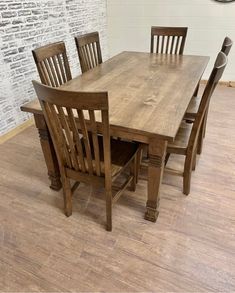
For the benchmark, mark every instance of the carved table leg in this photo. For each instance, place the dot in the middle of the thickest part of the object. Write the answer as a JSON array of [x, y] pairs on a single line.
[[157, 152], [49, 152]]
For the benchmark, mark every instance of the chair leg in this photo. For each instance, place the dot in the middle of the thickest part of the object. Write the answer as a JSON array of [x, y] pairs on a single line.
[[67, 196], [108, 195], [187, 174]]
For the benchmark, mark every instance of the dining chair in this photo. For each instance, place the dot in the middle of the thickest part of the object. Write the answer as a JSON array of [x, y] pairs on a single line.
[[89, 51], [169, 40], [194, 103], [76, 121], [52, 64], [186, 141]]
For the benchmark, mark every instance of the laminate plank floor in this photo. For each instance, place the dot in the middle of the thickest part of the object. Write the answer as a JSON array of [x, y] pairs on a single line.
[[191, 247]]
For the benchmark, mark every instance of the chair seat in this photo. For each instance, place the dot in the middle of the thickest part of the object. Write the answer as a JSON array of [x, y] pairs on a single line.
[[192, 109], [179, 146], [122, 152]]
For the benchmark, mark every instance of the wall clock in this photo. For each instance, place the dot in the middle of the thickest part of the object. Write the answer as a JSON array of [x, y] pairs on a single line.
[[225, 1]]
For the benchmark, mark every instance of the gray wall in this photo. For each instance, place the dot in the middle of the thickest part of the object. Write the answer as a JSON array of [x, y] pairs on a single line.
[[25, 25]]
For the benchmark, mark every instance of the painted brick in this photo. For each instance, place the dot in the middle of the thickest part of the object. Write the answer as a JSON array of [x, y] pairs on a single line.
[[26, 25], [14, 6], [9, 14]]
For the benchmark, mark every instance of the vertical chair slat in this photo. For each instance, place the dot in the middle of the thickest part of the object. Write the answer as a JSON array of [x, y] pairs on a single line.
[[158, 41], [182, 44], [76, 138], [66, 66], [85, 57], [98, 47], [86, 141], [54, 60], [62, 142], [92, 55], [43, 73], [88, 56], [167, 44], [94, 51], [66, 127], [162, 44], [172, 44], [152, 45], [53, 123], [94, 48], [52, 68], [177, 45], [49, 73], [95, 142], [83, 62], [61, 69]]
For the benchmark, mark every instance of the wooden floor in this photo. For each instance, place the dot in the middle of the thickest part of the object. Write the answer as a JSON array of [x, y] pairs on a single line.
[[191, 248]]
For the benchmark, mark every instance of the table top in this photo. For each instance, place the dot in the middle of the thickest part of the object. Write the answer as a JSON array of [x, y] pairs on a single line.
[[148, 93]]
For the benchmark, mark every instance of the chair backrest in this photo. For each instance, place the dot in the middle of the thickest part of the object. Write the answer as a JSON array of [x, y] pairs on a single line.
[[71, 119], [169, 40], [219, 66], [52, 64], [227, 45], [89, 51]]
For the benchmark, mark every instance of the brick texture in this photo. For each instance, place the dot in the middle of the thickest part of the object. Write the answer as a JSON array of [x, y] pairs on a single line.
[[25, 25]]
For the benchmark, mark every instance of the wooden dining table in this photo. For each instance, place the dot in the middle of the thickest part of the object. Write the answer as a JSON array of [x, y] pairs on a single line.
[[148, 97]]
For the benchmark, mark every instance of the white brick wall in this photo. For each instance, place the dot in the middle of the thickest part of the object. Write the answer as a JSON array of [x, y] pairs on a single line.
[[129, 23], [27, 24]]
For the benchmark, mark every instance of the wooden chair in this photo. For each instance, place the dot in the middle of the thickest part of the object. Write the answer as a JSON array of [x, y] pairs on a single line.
[[169, 40], [195, 102], [52, 64], [83, 154], [89, 51], [186, 142]]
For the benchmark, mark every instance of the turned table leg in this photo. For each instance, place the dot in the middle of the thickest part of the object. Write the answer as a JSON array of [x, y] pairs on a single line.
[[157, 152], [48, 152]]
